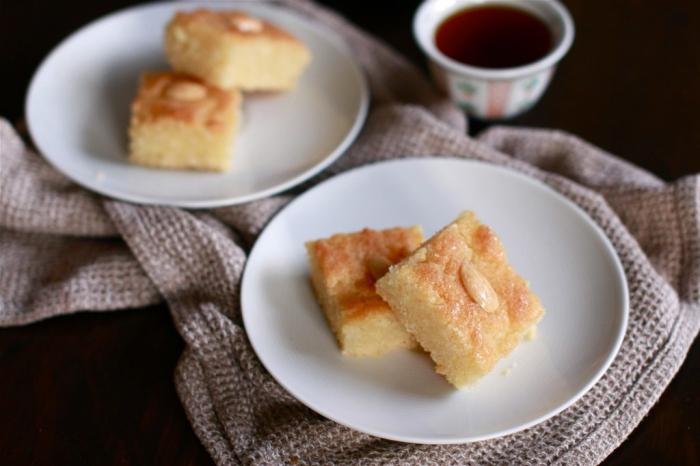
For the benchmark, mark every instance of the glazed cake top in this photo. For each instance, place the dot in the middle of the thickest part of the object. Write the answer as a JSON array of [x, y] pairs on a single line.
[[176, 96], [351, 264], [233, 23], [464, 273]]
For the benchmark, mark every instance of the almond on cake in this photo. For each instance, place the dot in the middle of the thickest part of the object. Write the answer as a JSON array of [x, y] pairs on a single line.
[[232, 49], [180, 122], [461, 299], [344, 269]]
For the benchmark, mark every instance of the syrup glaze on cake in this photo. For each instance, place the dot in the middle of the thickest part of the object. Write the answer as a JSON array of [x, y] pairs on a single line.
[[232, 49], [180, 97], [181, 122], [461, 299], [344, 269], [236, 23]]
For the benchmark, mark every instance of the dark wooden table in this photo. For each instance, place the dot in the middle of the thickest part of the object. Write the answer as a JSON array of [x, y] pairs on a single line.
[[98, 388]]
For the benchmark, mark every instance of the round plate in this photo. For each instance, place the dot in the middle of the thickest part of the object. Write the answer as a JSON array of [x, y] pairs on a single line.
[[78, 111], [551, 242]]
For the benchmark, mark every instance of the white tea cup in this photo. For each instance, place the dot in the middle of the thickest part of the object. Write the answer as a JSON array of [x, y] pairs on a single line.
[[493, 93]]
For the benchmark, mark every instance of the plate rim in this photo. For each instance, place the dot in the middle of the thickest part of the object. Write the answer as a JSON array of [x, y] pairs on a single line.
[[94, 185], [456, 440]]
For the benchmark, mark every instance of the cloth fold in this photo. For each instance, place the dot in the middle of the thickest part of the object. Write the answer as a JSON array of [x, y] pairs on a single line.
[[63, 249]]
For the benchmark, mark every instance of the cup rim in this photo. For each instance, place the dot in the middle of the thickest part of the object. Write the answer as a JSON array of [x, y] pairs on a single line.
[[548, 61]]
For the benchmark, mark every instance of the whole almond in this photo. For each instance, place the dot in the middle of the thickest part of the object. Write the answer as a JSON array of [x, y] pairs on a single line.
[[246, 23], [186, 91], [478, 287]]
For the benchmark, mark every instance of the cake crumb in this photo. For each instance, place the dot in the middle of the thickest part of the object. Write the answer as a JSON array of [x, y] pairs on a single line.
[[100, 176], [508, 369], [531, 333]]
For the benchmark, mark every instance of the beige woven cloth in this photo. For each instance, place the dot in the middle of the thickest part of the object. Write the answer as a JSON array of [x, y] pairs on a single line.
[[63, 249]]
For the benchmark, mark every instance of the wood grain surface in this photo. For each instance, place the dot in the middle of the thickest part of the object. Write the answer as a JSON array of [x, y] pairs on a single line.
[[97, 388]]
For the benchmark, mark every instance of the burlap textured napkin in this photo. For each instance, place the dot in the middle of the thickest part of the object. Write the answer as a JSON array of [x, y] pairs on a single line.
[[63, 250]]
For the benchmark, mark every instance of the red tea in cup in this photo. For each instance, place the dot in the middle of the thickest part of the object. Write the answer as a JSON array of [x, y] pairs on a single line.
[[493, 58], [494, 36]]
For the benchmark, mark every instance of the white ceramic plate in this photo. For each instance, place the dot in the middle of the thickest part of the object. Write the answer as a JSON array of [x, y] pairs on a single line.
[[565, 256], [78, 112]]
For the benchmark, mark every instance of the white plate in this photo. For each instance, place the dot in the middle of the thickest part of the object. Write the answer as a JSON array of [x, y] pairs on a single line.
[[568, 260], [78, 112]]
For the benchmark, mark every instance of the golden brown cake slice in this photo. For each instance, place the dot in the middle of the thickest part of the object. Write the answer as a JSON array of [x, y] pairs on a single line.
[[461, 299], [344, 269], [180, 122], [232, 49]]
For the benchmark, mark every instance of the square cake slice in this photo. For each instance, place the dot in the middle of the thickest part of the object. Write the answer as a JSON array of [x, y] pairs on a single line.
[[180, 122], [344, 269], [461, 299], [231, 49]]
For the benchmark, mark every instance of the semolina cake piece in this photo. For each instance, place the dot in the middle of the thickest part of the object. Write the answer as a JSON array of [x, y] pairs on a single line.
[[344, 269], [461, 299], [231, 49], [180, 122]]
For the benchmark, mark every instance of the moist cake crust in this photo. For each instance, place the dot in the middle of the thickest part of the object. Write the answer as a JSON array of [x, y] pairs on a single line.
[[176, 96], [344, 269], [461, 299], [181, 122], [233, 23], [231, 49]]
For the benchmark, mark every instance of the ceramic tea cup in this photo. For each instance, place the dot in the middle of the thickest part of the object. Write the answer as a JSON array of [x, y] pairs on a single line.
[[493, 92]]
